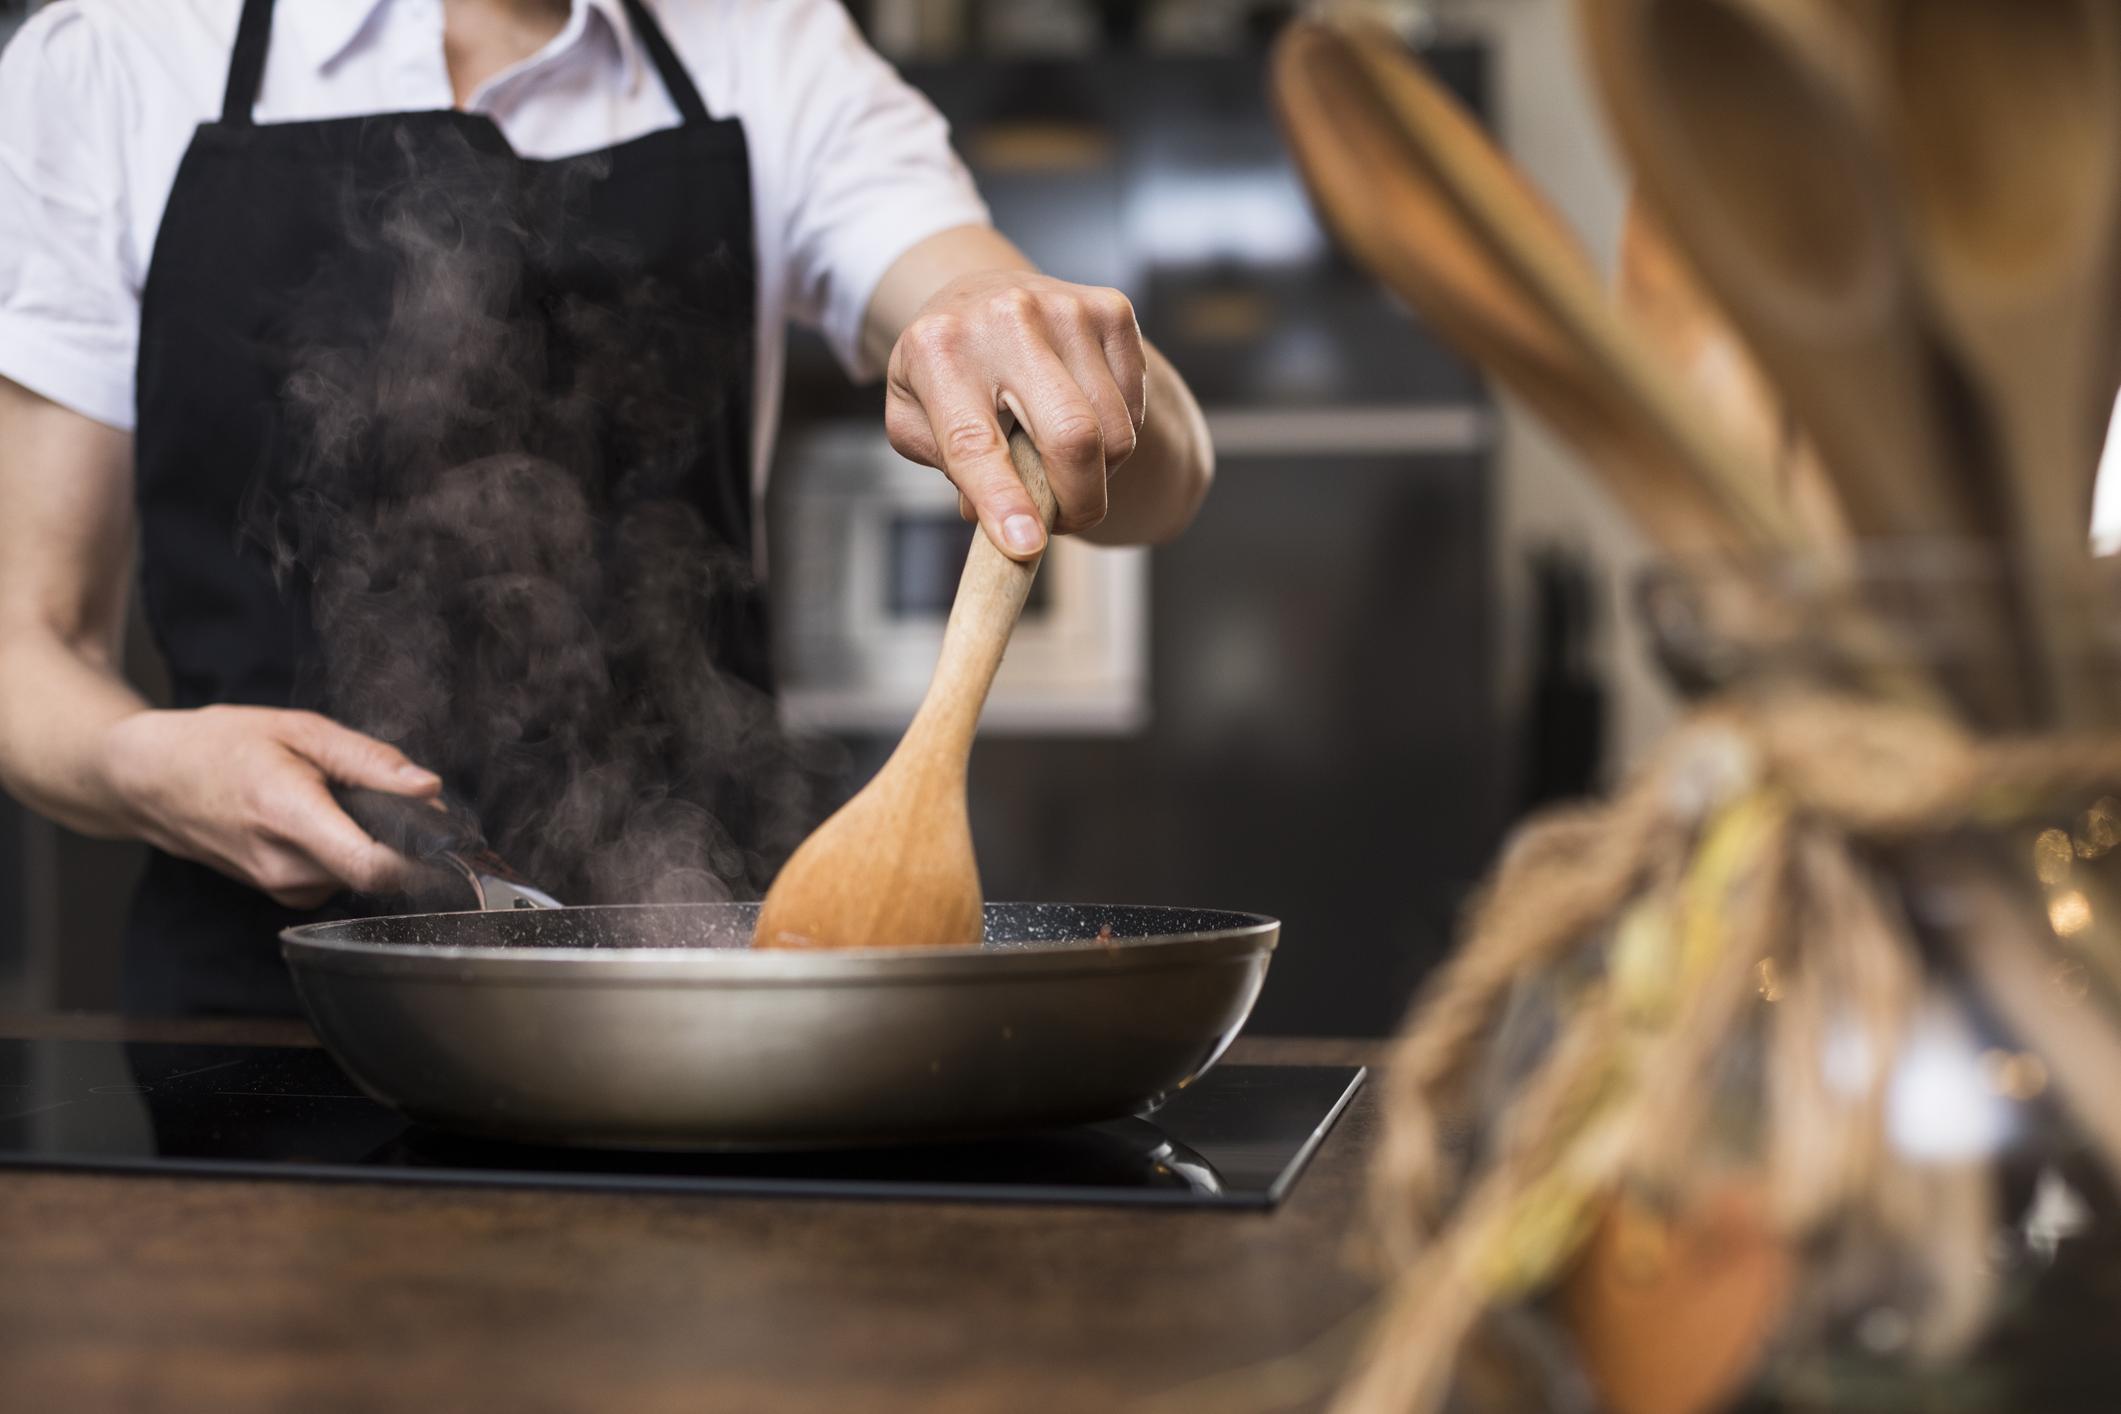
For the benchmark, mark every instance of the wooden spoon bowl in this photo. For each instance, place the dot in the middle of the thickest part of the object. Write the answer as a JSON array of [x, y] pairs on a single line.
[[1751, 132], [1672, 1313]]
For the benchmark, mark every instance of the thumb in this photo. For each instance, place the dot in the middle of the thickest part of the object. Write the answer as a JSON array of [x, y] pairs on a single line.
[[352, 758], [987, 479]]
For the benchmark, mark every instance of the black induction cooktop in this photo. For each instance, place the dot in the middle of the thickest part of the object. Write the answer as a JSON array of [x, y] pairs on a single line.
[[1237, 1137]]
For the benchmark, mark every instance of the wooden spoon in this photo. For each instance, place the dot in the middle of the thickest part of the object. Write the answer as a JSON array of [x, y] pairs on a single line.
[[894, 866], [2003, 119], [1748, 133], [1754, 130], [1660, 292], [1417, 193], [1496, 205], [1377, 196]]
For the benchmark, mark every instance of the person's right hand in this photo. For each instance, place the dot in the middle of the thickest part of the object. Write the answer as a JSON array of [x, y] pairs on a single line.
[[246, 790]]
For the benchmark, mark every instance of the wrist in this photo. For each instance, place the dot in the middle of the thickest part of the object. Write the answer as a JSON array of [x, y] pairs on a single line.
[[118, 767]]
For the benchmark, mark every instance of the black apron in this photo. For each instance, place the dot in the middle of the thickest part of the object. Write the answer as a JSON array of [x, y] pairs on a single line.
[[455, 446]]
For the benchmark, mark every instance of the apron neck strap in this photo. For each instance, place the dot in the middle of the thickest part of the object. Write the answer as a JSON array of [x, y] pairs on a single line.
[[246, 66], [676, 81]]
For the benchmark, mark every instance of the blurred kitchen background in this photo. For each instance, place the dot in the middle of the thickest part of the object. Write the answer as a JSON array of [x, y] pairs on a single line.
[[1397, 625]]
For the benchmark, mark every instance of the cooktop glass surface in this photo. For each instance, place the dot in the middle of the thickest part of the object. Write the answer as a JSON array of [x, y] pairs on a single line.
[[1237, 1137]]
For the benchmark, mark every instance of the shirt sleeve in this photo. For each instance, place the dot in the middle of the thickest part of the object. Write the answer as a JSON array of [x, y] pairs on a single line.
[[867, 169], [69, 286]]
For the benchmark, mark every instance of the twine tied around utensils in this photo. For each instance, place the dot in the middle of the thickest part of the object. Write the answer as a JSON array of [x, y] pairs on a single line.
[[1739, 903]]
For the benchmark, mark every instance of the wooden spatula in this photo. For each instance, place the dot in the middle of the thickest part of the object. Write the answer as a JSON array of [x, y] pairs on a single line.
[[1417, 193], [1424, 200], [894, 866], [1659, 290]]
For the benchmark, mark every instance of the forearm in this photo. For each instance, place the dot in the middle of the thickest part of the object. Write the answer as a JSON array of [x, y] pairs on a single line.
[[66, 536], [57, 704]]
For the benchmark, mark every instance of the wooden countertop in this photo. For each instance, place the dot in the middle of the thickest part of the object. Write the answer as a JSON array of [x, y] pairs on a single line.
[[154, 1293]]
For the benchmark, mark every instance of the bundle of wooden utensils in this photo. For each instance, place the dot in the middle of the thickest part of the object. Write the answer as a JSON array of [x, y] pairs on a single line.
[[1854, 385]]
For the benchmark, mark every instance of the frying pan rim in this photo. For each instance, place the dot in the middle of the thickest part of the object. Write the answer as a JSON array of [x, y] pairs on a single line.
[[312, 945], [525, 973]]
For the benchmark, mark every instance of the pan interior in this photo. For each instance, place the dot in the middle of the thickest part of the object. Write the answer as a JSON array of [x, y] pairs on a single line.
[[694, 926]]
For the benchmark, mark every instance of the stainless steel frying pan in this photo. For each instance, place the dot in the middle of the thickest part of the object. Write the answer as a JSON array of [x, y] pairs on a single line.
[[658, 1025]]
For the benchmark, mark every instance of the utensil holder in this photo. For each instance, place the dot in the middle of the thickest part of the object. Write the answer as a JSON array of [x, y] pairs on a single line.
[[1774, 1070]]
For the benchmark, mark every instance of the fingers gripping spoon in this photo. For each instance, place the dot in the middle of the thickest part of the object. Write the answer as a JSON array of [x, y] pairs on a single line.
[[894, 866]]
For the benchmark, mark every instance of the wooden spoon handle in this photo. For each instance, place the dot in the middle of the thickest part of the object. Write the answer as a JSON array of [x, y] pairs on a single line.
[[990, 599]]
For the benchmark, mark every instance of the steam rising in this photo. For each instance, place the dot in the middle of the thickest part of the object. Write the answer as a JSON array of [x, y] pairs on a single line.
[[495, 516]]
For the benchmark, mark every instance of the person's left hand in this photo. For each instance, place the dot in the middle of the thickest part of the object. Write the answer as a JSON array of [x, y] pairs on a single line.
[[1065, 360]]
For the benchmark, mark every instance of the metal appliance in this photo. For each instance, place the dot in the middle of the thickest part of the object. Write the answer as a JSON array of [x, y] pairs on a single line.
[[865, 570]]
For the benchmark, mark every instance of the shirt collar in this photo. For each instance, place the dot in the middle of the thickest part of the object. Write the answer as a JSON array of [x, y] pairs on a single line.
[[621, 32], [329, 28]]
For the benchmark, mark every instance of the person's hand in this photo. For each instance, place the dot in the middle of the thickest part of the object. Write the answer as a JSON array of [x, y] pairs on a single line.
[[1065, 360], [245, 790]]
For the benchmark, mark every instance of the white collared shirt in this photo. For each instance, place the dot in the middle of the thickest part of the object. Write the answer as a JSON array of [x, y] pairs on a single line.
[[850, 167]]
